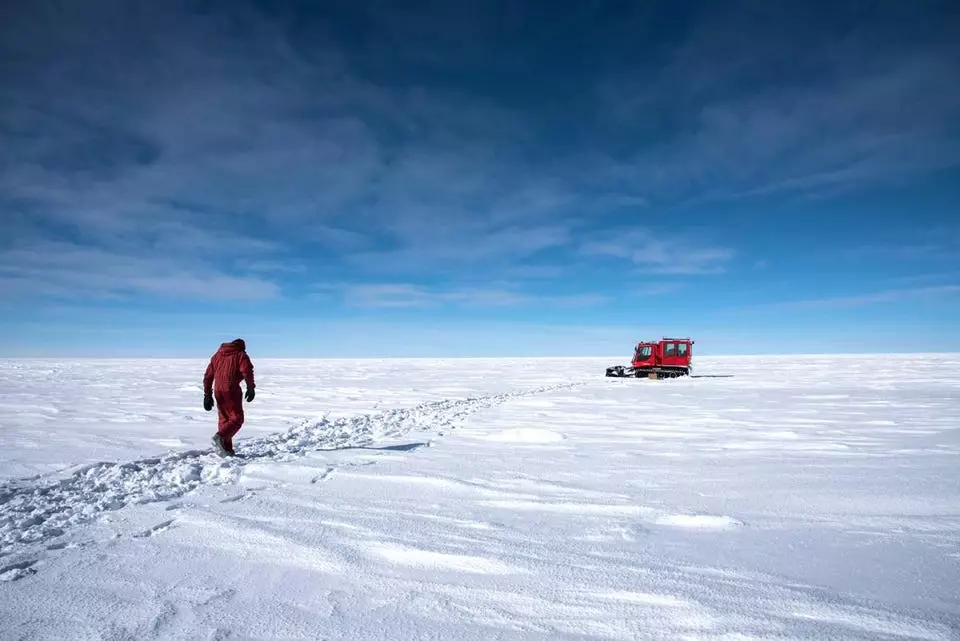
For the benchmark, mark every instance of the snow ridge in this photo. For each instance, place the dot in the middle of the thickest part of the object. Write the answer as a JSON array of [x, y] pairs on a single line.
[[36, 510]]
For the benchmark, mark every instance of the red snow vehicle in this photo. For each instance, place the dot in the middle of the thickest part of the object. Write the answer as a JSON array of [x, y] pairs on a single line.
[[669, 358]]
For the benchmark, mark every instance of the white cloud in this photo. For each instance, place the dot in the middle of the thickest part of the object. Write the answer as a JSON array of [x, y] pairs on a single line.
[[66, 270], [235, 149], [863, 300], [408, 295], [192, 142], [277, 266], [658, 289], [665, 252], [535, 272], [809, 107]]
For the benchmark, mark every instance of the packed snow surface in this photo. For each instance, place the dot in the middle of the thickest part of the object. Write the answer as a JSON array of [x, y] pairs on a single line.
[[783, 497]]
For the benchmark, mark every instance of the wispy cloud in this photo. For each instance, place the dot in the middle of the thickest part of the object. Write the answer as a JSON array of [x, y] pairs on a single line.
[[819, 102], [668, 251], [941, 292], [525, 271], [927, 279], [940, 246], [79, 272], [408, 295], [248, 139], [895, 252], [657, 289], [445, 246], [198, 153], [276, 266]]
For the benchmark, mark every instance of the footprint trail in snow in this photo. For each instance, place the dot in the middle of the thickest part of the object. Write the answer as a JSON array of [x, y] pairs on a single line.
[[37, 510]]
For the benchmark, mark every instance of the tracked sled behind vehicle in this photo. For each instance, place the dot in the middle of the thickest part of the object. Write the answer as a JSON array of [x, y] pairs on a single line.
[[667, 358]]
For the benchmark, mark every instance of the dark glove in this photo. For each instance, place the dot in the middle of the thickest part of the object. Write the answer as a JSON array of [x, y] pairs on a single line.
[[250, 394], [207, 402]]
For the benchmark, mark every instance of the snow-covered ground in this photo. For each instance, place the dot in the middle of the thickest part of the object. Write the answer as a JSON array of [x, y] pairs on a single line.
[[794, 498]]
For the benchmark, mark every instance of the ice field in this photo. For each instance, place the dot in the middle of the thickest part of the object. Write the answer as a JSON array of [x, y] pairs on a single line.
[[812, 497]]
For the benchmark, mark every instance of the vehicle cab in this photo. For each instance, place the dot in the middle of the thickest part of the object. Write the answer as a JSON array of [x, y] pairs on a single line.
[[676, 352], [645, 355]]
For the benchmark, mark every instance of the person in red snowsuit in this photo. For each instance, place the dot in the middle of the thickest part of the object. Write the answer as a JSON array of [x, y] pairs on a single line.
[[228, 366]]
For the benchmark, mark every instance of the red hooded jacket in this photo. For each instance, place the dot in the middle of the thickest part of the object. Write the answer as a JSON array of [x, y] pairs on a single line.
[[228, 366]]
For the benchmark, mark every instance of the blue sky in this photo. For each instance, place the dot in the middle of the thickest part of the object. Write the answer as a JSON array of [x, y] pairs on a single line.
[[353, 179]]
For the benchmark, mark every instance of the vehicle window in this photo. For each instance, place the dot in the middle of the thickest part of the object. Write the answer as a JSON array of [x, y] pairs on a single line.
[[682, 349], [670, 350], [644, 352]]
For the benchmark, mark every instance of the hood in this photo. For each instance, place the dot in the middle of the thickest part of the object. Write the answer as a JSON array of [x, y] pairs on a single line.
[[236, 345]]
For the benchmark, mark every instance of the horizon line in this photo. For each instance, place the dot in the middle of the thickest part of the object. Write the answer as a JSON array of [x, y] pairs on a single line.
[[502, 357]]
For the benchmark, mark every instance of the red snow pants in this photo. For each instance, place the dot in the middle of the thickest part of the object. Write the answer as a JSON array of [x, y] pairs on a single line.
[[230, 414]]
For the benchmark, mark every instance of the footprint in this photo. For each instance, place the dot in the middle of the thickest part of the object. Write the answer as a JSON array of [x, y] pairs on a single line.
[[322, 477], [156, 529], [238, 497], [17, 571], [217, 597], [62, 546], [69, 545], [220, 634]]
